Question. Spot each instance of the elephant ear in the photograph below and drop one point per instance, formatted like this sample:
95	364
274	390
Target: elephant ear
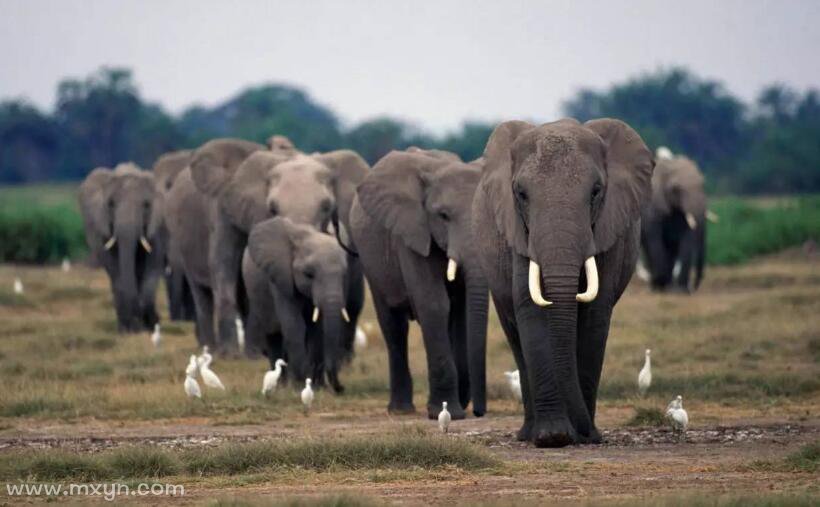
629	166
167	168
214	163
497	182
393	195
94	205
270	245
244	198
349	170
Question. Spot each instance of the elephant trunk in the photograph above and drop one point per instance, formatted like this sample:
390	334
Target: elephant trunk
477	307
334	316
126	289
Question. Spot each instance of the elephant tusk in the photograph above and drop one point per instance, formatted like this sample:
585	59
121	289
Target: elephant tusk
712	216
690	220
345	315
592	282
315	314
110	243
452	266
535	285
145	244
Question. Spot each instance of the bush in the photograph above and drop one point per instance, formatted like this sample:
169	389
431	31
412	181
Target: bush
40	225
748	228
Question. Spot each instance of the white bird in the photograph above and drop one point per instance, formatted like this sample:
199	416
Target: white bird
208	376
677	415
307	395
18	286
645	375
663	153
444	418
642	273
360	341
66	266
191	385
514	380
156	336
240	334
205	356
271	377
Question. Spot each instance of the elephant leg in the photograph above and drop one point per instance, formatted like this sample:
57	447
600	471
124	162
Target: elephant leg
226	249
394	326
293	324
507	320
425	285
660	264
685	255
316	353
458	343
593	330
148	291
204	302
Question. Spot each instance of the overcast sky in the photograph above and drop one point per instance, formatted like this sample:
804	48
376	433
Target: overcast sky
435	63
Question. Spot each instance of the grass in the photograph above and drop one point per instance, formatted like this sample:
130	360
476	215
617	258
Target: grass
746	229
805	459
647	416
405	451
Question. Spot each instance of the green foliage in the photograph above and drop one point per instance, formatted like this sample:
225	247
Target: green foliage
805	459
746	229
40	225
647	416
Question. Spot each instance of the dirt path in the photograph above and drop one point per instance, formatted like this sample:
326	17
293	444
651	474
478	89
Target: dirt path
631	462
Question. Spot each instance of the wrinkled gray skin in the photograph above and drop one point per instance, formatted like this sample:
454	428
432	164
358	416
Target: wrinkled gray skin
558	194
666	237
123	204
410	215
290	269
241	184
180	299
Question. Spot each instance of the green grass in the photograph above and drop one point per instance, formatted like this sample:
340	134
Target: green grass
40	224
747	229
400	451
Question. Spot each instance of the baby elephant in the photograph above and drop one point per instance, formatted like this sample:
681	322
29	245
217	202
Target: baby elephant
296	279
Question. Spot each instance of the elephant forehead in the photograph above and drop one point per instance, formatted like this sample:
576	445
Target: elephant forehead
303	169
322	249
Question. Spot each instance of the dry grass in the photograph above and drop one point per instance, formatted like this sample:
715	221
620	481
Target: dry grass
748	339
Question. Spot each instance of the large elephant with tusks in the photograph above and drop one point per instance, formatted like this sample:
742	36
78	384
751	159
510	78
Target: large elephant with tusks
557	222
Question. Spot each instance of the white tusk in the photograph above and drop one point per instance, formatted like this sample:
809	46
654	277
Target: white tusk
344	237
452	266
592	282
345	315
110	243
315	313
145	244
535	285
690	220
712	216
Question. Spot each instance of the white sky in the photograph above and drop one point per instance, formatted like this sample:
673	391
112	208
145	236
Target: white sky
435	63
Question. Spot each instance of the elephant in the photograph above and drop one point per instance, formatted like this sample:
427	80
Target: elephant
559	206
297	281
411	225
122	217
241	184
674	225
180	299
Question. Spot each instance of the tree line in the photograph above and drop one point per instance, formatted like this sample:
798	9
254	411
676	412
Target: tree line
769	146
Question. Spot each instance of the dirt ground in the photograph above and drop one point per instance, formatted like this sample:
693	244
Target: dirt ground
731	342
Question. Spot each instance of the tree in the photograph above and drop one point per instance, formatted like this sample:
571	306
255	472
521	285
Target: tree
29	143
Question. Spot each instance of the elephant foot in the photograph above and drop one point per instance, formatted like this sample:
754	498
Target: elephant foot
594	436
553	433
525	432
401	408
456	412
479	412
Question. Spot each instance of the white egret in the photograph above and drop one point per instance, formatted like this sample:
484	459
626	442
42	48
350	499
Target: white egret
444	418
208	376
271	378
191	385
645	375
514	380
156	336
66	266
677	415
360	341
307	395
18	286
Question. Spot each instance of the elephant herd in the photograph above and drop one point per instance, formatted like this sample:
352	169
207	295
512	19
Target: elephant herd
547	223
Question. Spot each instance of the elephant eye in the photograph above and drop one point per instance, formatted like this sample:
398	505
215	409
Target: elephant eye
444	215
596	190
521	194
308	272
